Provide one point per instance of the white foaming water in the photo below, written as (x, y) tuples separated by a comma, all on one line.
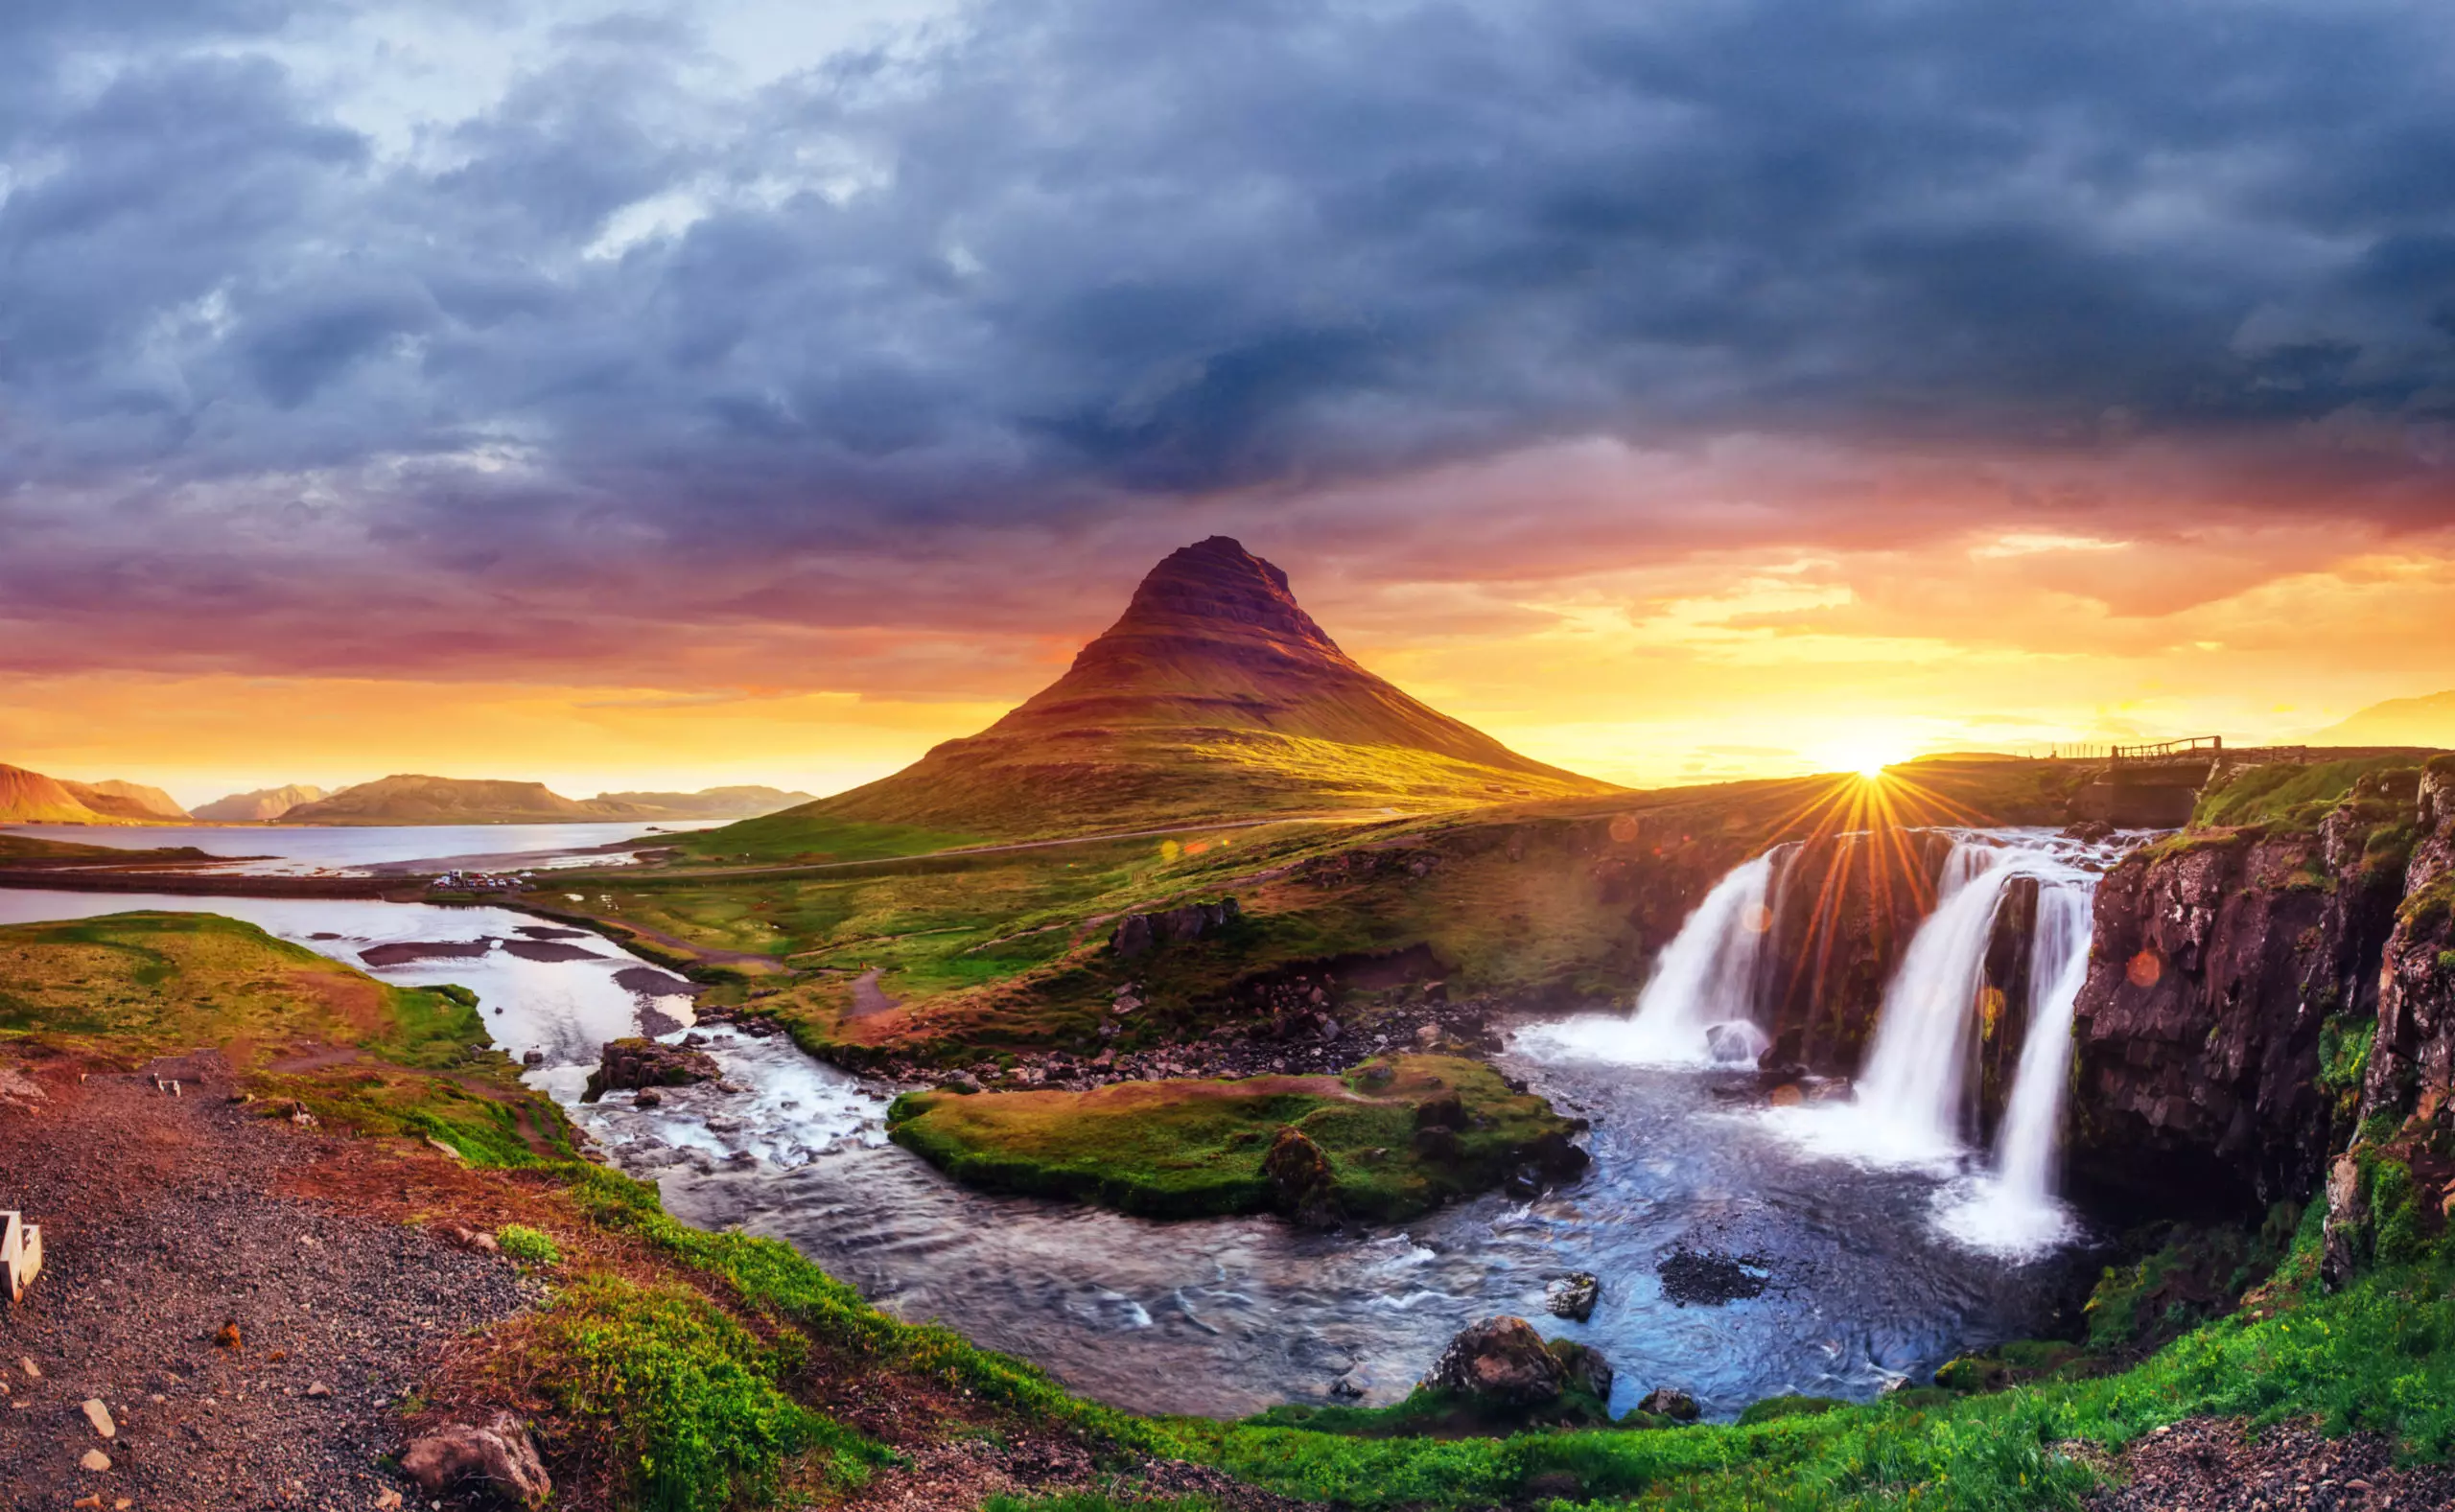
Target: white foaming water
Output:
[(1917, 1074), (1705, 980), (1913, 1102), (2012, 1210)]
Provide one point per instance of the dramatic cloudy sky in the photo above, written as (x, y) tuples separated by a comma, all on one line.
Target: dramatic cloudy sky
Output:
[(754, 390)]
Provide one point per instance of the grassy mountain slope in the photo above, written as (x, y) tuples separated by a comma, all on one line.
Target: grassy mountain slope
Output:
[(1566, 899), (30, 798), (1214, 696), (715, 802), (127, 801), (443, 800), (2425, 721)]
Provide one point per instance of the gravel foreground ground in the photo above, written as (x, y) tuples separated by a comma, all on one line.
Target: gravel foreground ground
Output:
[(248, 1348), (2208, 1465)]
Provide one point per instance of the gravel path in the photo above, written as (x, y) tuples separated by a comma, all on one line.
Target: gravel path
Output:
[(163, 1228), (2207, 1465)]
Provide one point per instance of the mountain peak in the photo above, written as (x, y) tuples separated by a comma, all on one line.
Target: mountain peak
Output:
[(1213, 694), (1217, 587)]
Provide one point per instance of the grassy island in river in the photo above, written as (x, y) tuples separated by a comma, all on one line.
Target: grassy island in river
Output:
[(1395, 1137)]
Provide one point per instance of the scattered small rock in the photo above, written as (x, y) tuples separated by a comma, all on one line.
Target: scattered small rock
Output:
[(99, 1416), (95, 1460), (1573, 1295), (645, 1063), (1672, 1402), (317, 1388)]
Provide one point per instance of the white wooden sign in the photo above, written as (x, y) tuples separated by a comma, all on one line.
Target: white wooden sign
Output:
[(20, 1254)]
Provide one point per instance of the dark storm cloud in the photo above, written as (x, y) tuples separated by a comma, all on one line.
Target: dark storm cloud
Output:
[(1062, 260)]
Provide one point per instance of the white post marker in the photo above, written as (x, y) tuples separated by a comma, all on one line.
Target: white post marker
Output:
[(20, 1254)]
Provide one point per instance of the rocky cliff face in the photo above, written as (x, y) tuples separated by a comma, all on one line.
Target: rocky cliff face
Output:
[(2230, 974), (2412, 1061), (1843, 907)]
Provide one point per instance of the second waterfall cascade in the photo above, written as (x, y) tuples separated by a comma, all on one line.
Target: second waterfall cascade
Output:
[(1915, 1102), (1698, 1008)]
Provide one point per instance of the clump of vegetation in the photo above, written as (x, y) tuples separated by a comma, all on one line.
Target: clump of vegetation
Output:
[(695, 1402), (528, 1245), (2185, 1274), (1399, 1135), (1772, 1409), (2344, 1060)]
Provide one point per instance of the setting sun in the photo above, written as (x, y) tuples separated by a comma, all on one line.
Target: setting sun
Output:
[(1865, 753)]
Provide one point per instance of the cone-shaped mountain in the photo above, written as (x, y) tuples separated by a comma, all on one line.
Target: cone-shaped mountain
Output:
[(1215, 695)]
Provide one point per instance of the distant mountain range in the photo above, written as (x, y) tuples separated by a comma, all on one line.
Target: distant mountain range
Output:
[(28, 798), (256, 808), (2425, 721), (411, 800), (1214, 695), (713, 802)]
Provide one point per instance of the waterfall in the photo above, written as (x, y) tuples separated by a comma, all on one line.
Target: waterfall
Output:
[(1913, 1104), (2025, 1143), (1698, 1008), (1915, 1085)]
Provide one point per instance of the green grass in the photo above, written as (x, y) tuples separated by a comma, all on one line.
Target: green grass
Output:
[(1186, 1148), (146, 984), (2376, 1355), (528, 1245), (696, 1403), (2286, 793), (770, 1279), (800, 835), (1555, 900), (1108, 780)]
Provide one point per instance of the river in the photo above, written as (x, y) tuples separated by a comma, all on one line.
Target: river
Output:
[(1226, 1317)]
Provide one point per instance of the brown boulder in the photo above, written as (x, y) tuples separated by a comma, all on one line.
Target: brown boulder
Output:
[(1303, 1186), (500, 1459), (644, 1064), (1500, 1361), (1672, 1402)]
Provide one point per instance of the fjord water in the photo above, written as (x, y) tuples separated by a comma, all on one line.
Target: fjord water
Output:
[(1230, 1315), (280, 850)]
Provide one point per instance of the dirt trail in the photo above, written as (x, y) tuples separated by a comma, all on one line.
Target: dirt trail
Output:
[(2208, 1465), (162, 1223)]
